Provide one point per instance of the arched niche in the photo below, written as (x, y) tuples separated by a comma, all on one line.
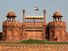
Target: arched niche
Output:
[(57, 33), (63, 33), (52, 33)]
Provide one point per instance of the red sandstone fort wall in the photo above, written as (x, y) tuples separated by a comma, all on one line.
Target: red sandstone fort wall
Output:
[(33, 47)]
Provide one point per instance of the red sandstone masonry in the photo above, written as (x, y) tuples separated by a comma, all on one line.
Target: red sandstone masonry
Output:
[(33, 47)]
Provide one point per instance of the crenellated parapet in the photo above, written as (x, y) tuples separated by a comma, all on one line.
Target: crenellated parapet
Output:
[(33, 47)]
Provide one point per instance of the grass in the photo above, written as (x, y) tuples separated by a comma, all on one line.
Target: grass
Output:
[(40, 42), (34, 42)]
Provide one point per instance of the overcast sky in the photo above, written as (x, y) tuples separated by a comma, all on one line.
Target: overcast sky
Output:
[(17, 5)]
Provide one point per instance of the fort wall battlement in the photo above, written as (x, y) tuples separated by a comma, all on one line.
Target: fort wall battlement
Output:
[(33, 47)]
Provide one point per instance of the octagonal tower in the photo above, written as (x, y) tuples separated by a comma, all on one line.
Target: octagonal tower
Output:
[(57, 28), (11, 28)]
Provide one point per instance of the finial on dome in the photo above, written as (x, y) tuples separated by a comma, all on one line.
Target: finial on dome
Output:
[(11, 11)]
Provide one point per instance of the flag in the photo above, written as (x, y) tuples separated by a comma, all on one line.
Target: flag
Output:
[(36, 9)]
